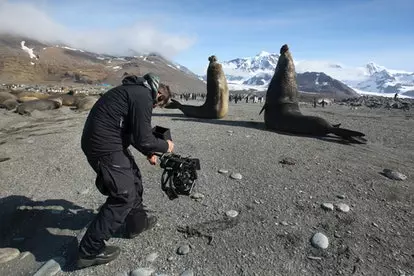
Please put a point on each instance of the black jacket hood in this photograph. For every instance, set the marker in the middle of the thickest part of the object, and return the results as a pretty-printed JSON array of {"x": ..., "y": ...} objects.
[{"x": 132, "y": 79}]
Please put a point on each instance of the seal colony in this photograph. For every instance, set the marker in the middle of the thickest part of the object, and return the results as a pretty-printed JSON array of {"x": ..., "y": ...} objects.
[
  {"x": 216, "y": 105},
  {"x": 281, "y": 109},
  {"x": 25, "y": 103}
]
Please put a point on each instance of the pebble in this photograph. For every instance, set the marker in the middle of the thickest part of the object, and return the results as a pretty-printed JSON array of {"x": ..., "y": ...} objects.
[
  {"x": 223, "y": 171},
  {"x": 374, "y": 224},
  {"x": 197, "y": 196},
  {"x": 327, "y": 206},
  {"x": 188, "y": 272},
  {"x": 142, "y": 271},
  {"x": 232, "y": 213},
  {"x": 314, "y": 258},
  {"x": 336, "y": 235},
  {"x": 183, "y": 249},
  {"x": 319, "y": 240},
  {"x": 284, "y": 223},
  {"x": 151, "y": 257},
  {"x": 341, "y": 196},
  {"x": 288, "y": 161},
  {"x": 170, "y": 259},
  {"x": 84, "y": 192},
  {"x": 342, "y": 207},
  {"x": 237, "y": 176},
  {"x": 7, "y": 254},
  {"x": 394, "y": 175},
  {"x": 51, "y": 267}
]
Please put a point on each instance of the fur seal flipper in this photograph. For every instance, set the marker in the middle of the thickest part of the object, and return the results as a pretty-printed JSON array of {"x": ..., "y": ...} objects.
[
  {"x": 281, "y": 109},
  {"x": 217, "y": 99}
]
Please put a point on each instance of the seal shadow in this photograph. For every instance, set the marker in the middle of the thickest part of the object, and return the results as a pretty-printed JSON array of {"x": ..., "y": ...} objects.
[
  {"x": 261, "y": 126},
  {"x": 178, "y": 115},
  {"x": 44, "y": 228}
]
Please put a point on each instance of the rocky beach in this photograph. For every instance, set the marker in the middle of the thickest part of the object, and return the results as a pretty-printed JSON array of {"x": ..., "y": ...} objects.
[{"x": 265, "y": 203}]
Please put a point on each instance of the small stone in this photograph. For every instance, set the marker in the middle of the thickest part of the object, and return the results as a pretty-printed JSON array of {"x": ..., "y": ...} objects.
[
  {"x": 341, "y": 196},
  {"x": 256, "y": 201},
  {"x": 183, "y": 249},
  {"x": 374, "y": 224},
  {"x": 84, "y": 192},
  {"x": 284, "y": 223},
  {"x": 394, "y": 175},
  {"x": 314, "y": 258},
  {"x": 342, "y": 207},
  {"x": 51, "y": 267},
  {"x": 7, "y": 254},
  {"x": 170, "y": 259},
  {"x": 319, "y": 240},
  {"x": 336, "y": 235},
  {"x": 188, "y": 272},
  {"x": 197, "y": 196},
  {"x": 142, "y": 271},
  {"x": 232, "y": 213},
  {"x": 151, "y": 257},
  {"x": 287, "y": 161},
  {"x": 223, "y": 171},
  {"x": 229, "y": 131},
  {"x": 30, "y": 141},
  {"x": 237, "y": 176},
  {"x": 327, "y": 206}
]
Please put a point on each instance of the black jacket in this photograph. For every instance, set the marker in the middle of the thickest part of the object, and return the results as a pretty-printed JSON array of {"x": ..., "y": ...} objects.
[{"x": 120, "y": 118}]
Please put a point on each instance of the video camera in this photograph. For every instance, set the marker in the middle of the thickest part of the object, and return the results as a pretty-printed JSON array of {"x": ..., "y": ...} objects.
[{"x": 180, "y": 173}]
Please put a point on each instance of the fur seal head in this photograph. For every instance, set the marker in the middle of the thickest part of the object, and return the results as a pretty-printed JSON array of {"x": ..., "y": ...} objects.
[
  {"x": 212, "y": 58},
  {"x": 283, "y": 87}
]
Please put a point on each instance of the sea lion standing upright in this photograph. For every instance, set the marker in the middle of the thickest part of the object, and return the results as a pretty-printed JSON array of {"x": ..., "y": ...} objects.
[
  {"x": 216, "y": 105},
  {"x": 281, "y": 110}
]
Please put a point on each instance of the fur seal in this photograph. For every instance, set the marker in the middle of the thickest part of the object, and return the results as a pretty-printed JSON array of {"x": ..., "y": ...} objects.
[
  {"x": 28, "y": 107},
  {"x": 281, "y": 109},
  {"x": 9, "y": 104},
  {"x": 85, "y": 103},
  {"x": 216, "y": 105},
  {"x": 68, "y": 99},
  {"x": 37, "y": 95},
  {"x": 4, "y": 96},
  {"x": 27, "y": 99}
]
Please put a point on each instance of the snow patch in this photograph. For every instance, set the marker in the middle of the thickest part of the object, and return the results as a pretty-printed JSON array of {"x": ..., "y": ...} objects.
[{"x": 28, "y": 50}]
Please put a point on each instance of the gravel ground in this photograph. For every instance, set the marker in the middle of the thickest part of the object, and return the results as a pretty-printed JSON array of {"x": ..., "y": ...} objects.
[{"x": 279, "y": 205}]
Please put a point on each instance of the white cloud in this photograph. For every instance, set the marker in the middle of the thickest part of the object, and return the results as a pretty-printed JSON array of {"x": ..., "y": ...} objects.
[{"x": 27, "y": 20}]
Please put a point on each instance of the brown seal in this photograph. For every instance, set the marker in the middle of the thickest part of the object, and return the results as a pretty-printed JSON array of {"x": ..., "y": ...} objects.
[
  {"x": 85, "y": 103},
  {"x": 28, "y": 107},
  {"x": 4, "y": 96},
  {"x": 216, "y": 105},
  {"x": 9, "y": 104},
  {"x": 281, "y": 110}
]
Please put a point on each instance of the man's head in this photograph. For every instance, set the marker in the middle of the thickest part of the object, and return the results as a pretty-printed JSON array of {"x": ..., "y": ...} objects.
[{"x": 161, "y": 93}]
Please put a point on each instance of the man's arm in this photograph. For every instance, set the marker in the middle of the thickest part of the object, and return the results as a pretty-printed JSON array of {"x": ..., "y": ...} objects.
[{"x": 142, "y": 137}]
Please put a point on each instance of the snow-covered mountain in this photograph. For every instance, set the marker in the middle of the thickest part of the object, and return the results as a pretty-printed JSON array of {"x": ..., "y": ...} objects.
[{"x": 256, "y": 73}]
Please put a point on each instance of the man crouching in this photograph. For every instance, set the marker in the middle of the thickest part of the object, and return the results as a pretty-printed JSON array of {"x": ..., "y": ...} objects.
[{"x": 120, "y": 118}]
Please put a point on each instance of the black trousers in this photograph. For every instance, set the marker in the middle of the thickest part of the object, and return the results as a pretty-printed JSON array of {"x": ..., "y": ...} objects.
[{"x": 119, "y": 178}]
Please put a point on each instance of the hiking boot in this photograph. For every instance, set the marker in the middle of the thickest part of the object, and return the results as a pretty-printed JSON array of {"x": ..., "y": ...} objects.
[
  {"x": 148, "y": 224},
  {"x": 108, "y": 254}
]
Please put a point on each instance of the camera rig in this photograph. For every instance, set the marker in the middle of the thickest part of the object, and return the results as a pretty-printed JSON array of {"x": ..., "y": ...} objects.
[{"x": 180, "y": 173}]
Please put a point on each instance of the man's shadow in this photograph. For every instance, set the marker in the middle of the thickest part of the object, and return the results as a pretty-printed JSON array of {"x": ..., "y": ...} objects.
[
  {"x": 44, "y": 228},
  {"x": 250, "y": 124}
]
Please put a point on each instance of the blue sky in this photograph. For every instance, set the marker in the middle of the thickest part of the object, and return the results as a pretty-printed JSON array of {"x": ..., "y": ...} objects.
[{"x": 351, "y": 32}]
